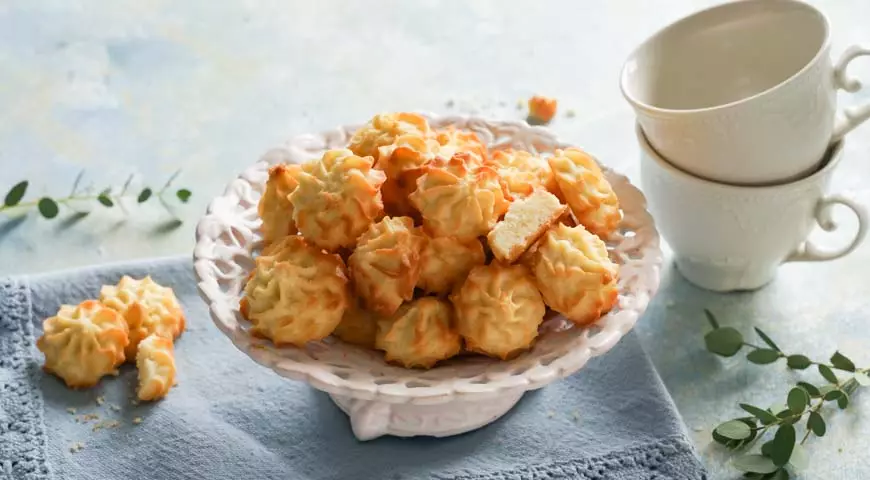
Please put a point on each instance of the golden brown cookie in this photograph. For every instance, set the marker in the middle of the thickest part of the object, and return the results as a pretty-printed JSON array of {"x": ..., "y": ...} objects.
[
  {"x": 498, "y": 309},
  {"x": 587, "y": 192},
  {"x": 454, "y": 140},
  {"x": 405, "y": 153},
  {"x": 337, "y": 199},
  {"x": 83, "y": 343},
  {"x": 358, "y": 326},
  {"x": 523, "y": 173},
  {"x": 383, "y": 129},
  {"x": 460, "y": 200},
  {"x": 148, "y": 307},
  {"x": 403, "y": 163},
  {"x": 385, "y": 266},
  {"x": 445, "y": 261},
  {"x": 574, "y": 273},
  {"x": 419, "y": 334},
  {"x": 297, "y": 294},
  {"x": 156, "y": 364},
  {"x": 525, "y": 221},
  {"x": 275, "y": 208}
]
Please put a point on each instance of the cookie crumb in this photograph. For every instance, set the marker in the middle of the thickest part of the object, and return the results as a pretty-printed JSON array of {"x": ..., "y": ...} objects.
[
  {"x": 571, "y": 113},
  {"x": 520, "y": 104},
  {"x": 541, "y": 109},
  {"x": 71, "y": 410},
  {"x": 115, "y": 407},
  {"x": 575, "y": 415},
  {"x": 137, "y": 420},
  {"x": 100, "y": 400},
  {"x": 76, "y": 447},
  {"x": 87, "y": 418},
  {"x": 106, "y": 424},
  {"x": 551, "y": 414}
]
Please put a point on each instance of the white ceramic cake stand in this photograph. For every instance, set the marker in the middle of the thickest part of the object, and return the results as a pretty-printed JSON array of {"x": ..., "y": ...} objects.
[{"x": 464, "y": 393}]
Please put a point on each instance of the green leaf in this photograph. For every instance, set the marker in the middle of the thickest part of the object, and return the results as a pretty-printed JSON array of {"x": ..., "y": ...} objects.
[
  {"x": 816, "y": 424},
  {"x": 781, "y": 474},
  {"x": 826, "y": 389},
  {"x": 105, "y": 200},
  {"x": 843, "y": 402},
  {"x": 790, "y": 420},
  {"x": 783, "y": 445},
  {"x": 780, "y": 409},
  {"x": 754, "y": 463},
  {"x": 734, "y": 429},
  {"x": 784, "y": 413},
  {"x": 760, "y": 476},
  {"x": 798, "y": 399},
  {"x": 724, "y": 341},
  {"x": 14, "y": 196},
  {"x": 722, "y": 440},
  {"x": 810, "y": 388},
  {"x": 799, "y": 460},
  {"x": 840, "y": 361},
  {"x": 766, "y": 448},
  {"x": 47, "y": 207},
  {"x": 144, "y": 195},
  {"x": 183, "y": 195},
  {"x": 862, "y": 379},
  {"x": 766, "y": 339},
  {"x": 764, "y": 416},
  {"x": 826, "y": 372},
  {"x": 733, "y": 444},
  {"x": 763, "y": 356},
  {"x": 833, "y": 395},
  {"x": 712, "y": 319},
  {"x": 798, "y": 362}
]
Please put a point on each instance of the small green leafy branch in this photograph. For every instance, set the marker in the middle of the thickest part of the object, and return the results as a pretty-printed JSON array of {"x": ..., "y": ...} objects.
[
  {"x": 49, "y": 207},
  {"x": 805, "y": 400}
]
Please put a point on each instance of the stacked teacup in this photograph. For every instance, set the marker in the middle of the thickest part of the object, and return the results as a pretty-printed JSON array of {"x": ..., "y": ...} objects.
[{"x": 739, "y": 132}]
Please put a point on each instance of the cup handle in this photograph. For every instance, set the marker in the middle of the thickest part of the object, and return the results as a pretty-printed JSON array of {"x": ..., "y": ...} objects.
[
  {"x": 810, "y": 252},
  {"x": 854, "y": 116}
]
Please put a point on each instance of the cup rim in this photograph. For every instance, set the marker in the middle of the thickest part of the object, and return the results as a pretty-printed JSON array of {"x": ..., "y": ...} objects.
[
  {"x": 623, "y": 76},
  {"x": 834, "y": 153}
]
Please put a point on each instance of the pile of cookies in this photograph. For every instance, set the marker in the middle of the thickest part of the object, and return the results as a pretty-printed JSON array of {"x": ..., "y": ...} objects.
[
  {"x": 421, "y": 243},
  {"x": 133, "y": 321}
]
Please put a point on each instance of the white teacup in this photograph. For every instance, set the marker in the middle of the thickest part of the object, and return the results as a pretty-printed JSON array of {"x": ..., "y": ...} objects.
[
  {"x": 729, "y": 237},
  {"x": 744, "y": 92}
]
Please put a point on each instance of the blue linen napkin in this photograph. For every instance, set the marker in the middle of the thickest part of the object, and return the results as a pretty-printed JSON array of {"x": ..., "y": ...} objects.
[{"x": 230, "y": 418}]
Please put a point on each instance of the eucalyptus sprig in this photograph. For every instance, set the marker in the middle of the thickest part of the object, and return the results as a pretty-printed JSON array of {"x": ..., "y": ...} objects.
[
  {"x": 782, "y": 453},
  {"x": 49, "y": 207}
]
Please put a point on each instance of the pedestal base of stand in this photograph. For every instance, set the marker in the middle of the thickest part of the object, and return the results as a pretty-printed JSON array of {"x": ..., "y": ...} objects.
[{"x": 371, "y": 419}]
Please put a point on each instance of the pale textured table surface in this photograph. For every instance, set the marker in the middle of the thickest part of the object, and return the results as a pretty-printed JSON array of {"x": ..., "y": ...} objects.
[{"x": 145, "y": 88}]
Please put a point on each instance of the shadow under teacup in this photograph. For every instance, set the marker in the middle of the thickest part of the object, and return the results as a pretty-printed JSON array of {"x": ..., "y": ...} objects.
[
  {"x": 744, "y": 92},
  {"x": 728, "y": 237}
]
